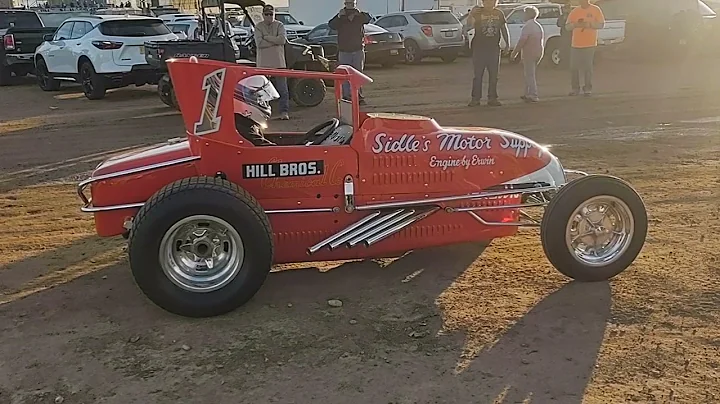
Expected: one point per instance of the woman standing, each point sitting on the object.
(531, 47)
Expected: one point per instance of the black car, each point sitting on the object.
(381, 46)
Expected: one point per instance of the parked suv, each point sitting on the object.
(426, 33)
(100, 52)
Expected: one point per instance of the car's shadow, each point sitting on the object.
(98, 336)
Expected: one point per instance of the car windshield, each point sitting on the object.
(286, 19)
(436, 18)
(373, 29)
(19, 19)
(56, 19)
(134, 28)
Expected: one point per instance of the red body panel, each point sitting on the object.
(391, 158)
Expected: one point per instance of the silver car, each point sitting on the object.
(435, 33)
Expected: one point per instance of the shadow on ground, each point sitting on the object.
(98, 338)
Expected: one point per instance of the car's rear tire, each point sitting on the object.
(167, 92)
(45, 81)
(93, 84)
(5, 75)
(189, 222)
(554, 54)
(413, 54)
(307, 92)
(575, 217)
(449, 58)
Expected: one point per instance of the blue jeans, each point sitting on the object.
(356, 60)
(485, 59)
(281, 86)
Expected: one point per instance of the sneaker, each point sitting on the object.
(474, 103)
(587, 93)
(574, 93)
(494, 103)
(284, 116)
(528, 99)
(524, 97)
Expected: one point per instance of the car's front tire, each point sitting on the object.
(201, 247)
(594, 228)
(92, 83)
(44, 79)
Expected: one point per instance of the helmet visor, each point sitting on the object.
(261, 88)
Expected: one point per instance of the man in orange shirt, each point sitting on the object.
(584, 22)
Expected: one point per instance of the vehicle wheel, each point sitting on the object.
(5, 75)
(92, 84)
(594, 228)
(167, 92)
(45, 82)
(554, 55)
(449, 58)
(201, 247)
(413, 55)
(307, 92)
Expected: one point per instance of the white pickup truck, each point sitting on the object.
(612, 33)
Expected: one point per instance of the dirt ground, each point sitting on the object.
(466, 324)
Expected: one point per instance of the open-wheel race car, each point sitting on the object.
(208, 215)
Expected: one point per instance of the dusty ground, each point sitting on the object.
(467, 324)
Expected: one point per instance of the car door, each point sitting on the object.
(53, 58)
(515, 22)
(320, 36)
(68, 57)
(548, 19)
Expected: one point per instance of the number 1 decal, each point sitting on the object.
(209, 120)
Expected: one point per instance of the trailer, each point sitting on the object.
(315, 12)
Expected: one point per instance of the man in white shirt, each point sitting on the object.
(531, 47)
(270, 39)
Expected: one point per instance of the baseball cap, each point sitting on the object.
(268, 7)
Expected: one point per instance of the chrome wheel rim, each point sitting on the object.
(87, 81)
(201, 253)
(600, 230)
(555, 56)
(410, 53)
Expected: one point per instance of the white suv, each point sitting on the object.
(100, 52)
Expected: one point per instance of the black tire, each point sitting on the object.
(200, 196)
(449, 58)
(5, 75)
(92, 83)
(554, 55)
(167, 92)
(413, 54)
(307, 92)
(558, 214)
(45, 82)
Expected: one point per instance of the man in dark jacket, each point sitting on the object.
(565, 35)
(350, 26)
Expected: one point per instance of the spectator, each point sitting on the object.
(584, 21)
(270, 39)
(350, 26)
(489, 23)
(565, 35)
(531, 47)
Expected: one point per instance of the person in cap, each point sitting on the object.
(270, 39)
(350, 26)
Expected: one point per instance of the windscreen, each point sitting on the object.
(373, 29)
(436, 18)
(134, 28)
(286, 19)
(19, 19)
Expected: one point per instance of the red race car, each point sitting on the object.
(208, 215)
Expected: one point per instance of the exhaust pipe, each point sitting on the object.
(377, 229)
(396, 228)
(342, 232)
(364, 228)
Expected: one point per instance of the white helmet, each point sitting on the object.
(252, 99)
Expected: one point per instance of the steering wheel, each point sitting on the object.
(317, 135)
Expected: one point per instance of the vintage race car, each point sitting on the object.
(208, 215)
